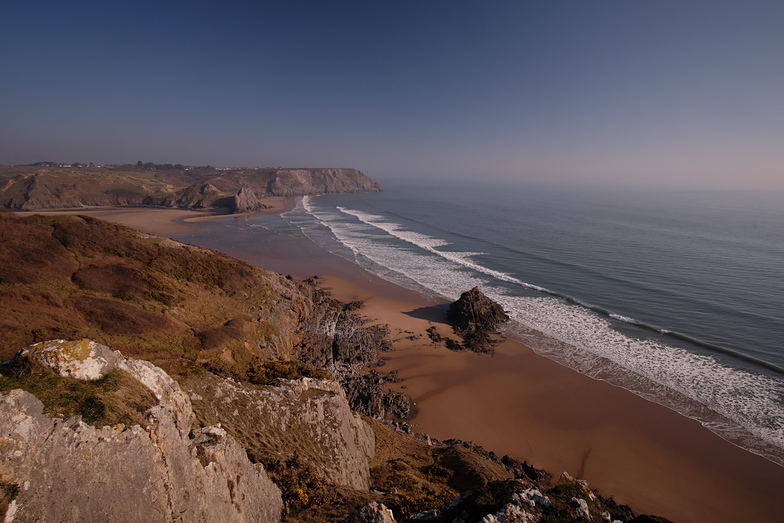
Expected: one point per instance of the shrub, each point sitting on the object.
(300, 486)
(269, 371)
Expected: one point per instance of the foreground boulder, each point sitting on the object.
(474, 316)
(67, 470)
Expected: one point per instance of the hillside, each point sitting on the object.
(221, 389)
(29, 188)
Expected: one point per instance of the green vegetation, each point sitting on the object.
(268, 372)
(113, 399)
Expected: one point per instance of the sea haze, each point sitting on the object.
(677, 296)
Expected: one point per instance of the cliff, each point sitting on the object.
(307, 419)
(69, 470)
(236, 190)
(227, 396)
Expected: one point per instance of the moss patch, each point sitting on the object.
(115, 398)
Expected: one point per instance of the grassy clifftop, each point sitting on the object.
(152, 298)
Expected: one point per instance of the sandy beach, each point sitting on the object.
(518, 403)
(165, 221)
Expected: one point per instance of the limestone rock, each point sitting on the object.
(307, 418)
(302, 182)
(67, 470)
(532, 497)
(372, 513)
(247, 200)
(580, 508)
(510, 513)
(207, 189)
(84, 360)
(88, 360)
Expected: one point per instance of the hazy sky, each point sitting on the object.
(657, 92)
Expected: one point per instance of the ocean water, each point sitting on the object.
(676, 296)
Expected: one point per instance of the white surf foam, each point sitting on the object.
(753, 401)
(584, 340)
(429, 244)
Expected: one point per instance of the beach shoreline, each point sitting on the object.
(519, 403)
(165, 221)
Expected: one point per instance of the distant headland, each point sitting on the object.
(53, 185)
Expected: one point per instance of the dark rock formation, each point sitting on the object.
(474, 316)
(366, 395)
(334, 334)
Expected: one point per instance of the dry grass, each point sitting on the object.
(77, 277)
(113, 399)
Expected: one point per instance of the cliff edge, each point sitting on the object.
(68, 470)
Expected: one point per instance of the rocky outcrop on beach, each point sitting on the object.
(474, 316)
(230, 393)
(68, 470)
(246, 200)
(235, 190)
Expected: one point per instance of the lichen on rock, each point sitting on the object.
(84, 359)
(307, 418)
(72, 471)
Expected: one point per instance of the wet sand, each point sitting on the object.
(164, 221)
(519, 403)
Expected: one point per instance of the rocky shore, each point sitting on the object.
(218, 391)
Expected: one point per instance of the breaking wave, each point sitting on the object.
(744, 407)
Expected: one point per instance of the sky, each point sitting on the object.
(659, 93)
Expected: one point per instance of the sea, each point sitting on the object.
(677, 296)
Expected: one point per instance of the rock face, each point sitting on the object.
(474, 316)
(247, 200)
(302, 182)
(67, 470)
(239, 190)
(309, 419)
